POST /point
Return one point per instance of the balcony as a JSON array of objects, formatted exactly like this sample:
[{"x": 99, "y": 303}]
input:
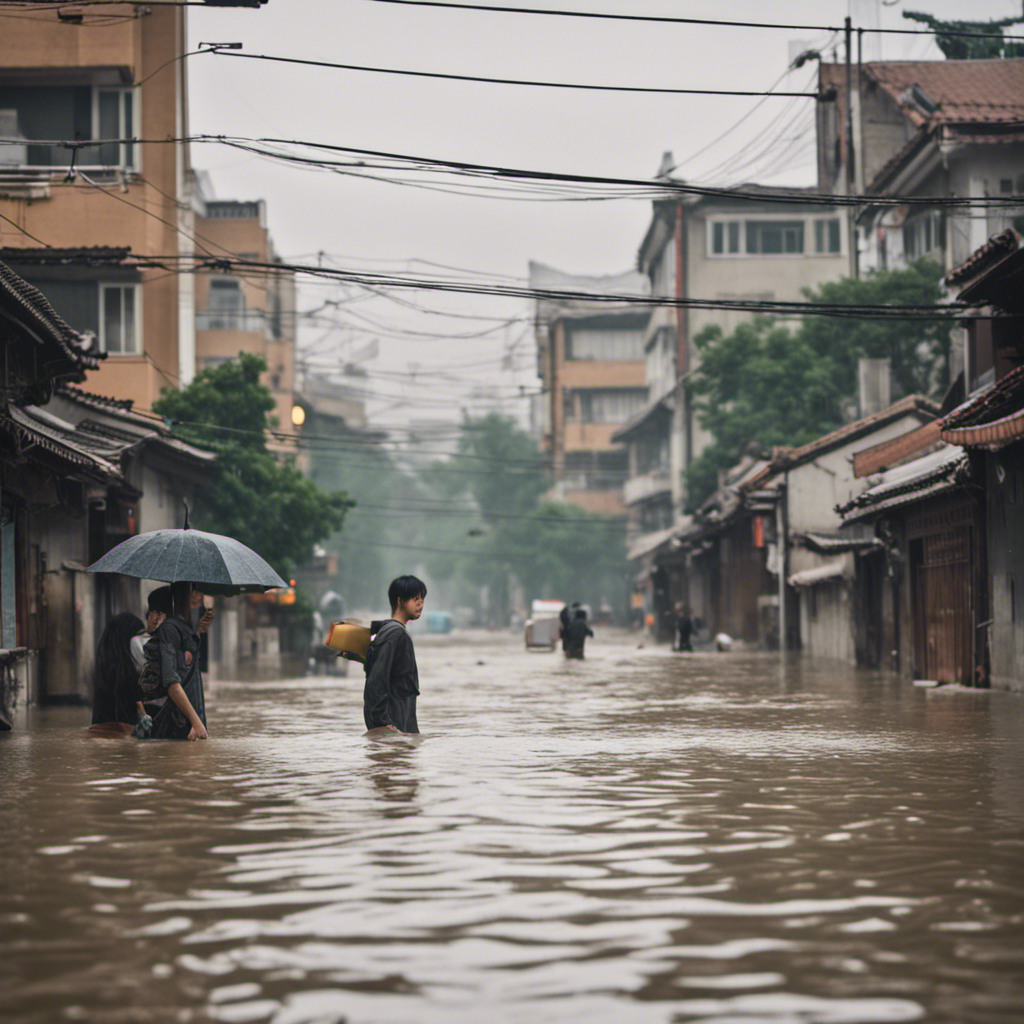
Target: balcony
[
  {"x": 251, "y": 320},
  {"x": 646, "y": 486}
]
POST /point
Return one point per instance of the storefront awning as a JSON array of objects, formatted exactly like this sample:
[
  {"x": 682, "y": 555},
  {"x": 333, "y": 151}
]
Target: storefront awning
[{"x": 827, "y": 573}]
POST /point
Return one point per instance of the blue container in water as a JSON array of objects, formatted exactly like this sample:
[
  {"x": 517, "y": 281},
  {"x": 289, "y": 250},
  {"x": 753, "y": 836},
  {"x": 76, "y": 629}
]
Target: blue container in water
[{"x": 439, "y": 622}]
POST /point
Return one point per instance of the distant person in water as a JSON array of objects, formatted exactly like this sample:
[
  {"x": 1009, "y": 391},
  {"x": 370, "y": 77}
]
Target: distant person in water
[
  {"x": 574, "y": 636},
  {"x": 392, "y": 681},
  {"x": 683, "y": 629}
]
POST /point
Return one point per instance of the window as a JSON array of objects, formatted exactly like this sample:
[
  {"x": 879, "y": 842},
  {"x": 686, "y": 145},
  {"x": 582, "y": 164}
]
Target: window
[
  {"x": 775, "y": 237},
  {"x": 1006, "y": 186},
  {"x": 921, "y": 235},
  {"x": 827, "y": 236},
  {"x": 227, "y": 305},
  {"x": 611, "y": 405},
  {"x": 119, "y": 319},
  {"x": 725, "y": 237},
  {"x": 606, "y": 343},
  {"x": 113, "y": 118},
  {"x": 75, "y": 112}
]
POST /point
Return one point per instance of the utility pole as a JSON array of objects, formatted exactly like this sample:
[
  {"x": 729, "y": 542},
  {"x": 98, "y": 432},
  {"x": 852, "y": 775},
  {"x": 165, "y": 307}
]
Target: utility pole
[{"x": 851, "y": 213}]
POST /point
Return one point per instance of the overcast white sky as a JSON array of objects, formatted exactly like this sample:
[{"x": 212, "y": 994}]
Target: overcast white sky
[{"x": 367, "y": 224}]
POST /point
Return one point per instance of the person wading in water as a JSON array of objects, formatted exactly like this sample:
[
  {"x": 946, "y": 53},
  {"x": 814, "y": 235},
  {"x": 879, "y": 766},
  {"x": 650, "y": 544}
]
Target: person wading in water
[{"x": 392, "y": 681}]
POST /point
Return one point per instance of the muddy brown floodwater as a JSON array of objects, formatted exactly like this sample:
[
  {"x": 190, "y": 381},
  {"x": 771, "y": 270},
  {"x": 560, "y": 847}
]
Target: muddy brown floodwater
[{"x": 641, "y": 837}]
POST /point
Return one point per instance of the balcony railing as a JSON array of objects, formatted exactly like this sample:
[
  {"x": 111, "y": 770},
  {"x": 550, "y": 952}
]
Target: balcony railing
[
  {"x": 254, "y": 320},
  {"x": 647, "y": 485}
]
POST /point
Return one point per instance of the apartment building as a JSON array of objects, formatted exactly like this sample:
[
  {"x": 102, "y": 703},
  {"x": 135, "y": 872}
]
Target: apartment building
[
  {"x": 246, "y": 309},
  {"x": 949, "y": 128},
  {"x": 78, "y": 88},
  {"x": 109, "y": 76},
  {"x": 591, "y": 365},
  {"x": 753, "y": 243}
]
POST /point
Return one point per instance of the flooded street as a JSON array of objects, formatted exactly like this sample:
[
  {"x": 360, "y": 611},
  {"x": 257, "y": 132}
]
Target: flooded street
[{"x": 641, "y": 837}]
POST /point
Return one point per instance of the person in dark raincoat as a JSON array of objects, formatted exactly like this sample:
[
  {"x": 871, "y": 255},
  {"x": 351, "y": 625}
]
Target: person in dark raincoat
[
  {"x": 174, "y": 650},
  {"x": 574, "y": 636},
  {"x": 392, "y": 680},
  {"x": 115, "y": 683},
  {"x": 683, "y": 627}
]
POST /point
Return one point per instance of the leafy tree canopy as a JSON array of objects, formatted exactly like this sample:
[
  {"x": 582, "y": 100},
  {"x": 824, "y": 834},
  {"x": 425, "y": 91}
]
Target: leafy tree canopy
[
  {"x": 267, "y": 505},
  {"x": 551, "y": 548},
  {"x": 767, "y": 384},
  {"x": 961, "y": 47}
]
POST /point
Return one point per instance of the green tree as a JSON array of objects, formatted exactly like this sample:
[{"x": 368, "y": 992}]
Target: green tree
[
  {"x": 767, "y": 384},
  {"x": 268, "y": 505},
  {"x": 552, "y": 549},
  {"x": 956, "y": 46}
]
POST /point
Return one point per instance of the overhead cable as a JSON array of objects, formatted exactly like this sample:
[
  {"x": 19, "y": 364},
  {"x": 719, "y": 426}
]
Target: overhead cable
[
  {"x": 659, "y": 187},
  {"x": 505, "y": 81},
  {"x": 675, "y": 20}
]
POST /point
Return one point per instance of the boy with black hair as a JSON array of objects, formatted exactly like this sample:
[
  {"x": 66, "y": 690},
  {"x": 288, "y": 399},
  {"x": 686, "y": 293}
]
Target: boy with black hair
[{"x": 392, "y": 681}]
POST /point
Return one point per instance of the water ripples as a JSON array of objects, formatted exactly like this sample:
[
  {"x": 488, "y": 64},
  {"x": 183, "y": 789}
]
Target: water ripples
[{"x": 636, "y": 837}]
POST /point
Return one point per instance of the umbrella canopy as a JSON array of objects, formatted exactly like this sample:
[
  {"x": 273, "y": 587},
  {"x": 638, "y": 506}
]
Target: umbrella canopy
[{"x": 221, "y": 565}]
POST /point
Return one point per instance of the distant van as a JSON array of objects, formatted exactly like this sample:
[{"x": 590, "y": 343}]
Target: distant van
[{"x": 543, "y": 627}]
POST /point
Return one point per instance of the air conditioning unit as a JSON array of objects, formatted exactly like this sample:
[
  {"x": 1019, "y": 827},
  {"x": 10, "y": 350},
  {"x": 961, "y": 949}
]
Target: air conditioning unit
[{"x": 12, "y": 154}]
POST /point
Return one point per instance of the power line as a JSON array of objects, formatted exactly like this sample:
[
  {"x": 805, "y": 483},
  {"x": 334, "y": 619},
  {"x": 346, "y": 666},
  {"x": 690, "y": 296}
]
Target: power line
[
  {"x": 661, "y": 187},
  {"x": 306, "y": 62},
  {"x": 664, "y": 187},
  {"x": 775, "y": 306},
  {"x": 672, "y": 20}
]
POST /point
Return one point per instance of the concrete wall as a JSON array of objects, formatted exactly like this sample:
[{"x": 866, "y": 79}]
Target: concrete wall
[
  {"x": 1005, "y": 527},
  {"x": 815, "y": 488}
]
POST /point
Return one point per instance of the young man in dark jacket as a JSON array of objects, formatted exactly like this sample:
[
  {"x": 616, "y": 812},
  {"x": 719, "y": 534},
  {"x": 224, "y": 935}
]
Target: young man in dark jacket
[{"x": 392, "y": 682}]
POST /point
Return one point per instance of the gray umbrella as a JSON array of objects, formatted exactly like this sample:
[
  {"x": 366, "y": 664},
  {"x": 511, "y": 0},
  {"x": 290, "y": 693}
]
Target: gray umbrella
[{"x": 220, "y": 564}]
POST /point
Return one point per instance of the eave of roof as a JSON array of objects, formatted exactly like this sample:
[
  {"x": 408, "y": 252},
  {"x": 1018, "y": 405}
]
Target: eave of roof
[
  {"x": 827, "y": 573},
  {"x": 145, "y": 428},
  {"x": 55, "y": 256},
  {"x": 987, "y": 256},
  {"x": 643, "y": 418},
  {"x": 994, "y": 403},
  {"x": 27, "y": 306},
  {"x": 46, "y": 434},
  {"x": 907, "y": 484},
  {"x": 790, "y": 458}
]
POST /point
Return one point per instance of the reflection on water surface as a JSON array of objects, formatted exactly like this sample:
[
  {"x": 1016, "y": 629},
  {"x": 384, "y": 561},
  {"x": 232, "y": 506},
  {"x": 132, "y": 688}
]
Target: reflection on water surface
[{"x": 639, "y": 837}]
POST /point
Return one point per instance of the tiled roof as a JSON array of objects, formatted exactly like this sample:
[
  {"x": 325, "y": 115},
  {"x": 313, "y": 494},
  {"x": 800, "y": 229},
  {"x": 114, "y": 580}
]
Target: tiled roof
[
  {"x": 51, "y": 255},
  {"x": 28, "y": 306},
  {"x": 966, "y": 91},
  {"x": 790, "y": 457},
  {"x": 904, "y": 485},
  {"x": 998, "y": 407},
  {"x": 988, "y": 255},
  {"x": 33, "y": 426}
]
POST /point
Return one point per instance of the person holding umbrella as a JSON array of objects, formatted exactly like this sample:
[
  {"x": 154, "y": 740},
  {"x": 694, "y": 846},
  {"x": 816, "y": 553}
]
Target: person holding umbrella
[
  {"x": 173, "y": 657},
  {"x": 187, "y": 559}
]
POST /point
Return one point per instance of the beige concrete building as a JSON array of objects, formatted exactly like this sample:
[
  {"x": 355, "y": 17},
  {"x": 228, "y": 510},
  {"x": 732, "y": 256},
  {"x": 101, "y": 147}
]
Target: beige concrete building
[
  {"x": 109, "y": 75},
  {"x": 246, "y": 310},
  {"x": 591, "y": 364}
]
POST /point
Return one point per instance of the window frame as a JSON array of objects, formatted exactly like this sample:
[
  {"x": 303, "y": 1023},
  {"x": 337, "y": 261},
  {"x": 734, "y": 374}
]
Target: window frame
[
  {"x": 823, "y": 228},
  {"x": 733, "y": 230},
  {"x": 104, "y": 287},
  {"x": 124, "y": 130}
]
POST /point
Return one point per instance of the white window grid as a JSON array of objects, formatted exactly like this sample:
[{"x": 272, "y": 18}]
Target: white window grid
[
  {"x": 730, "y": 234},
  {"x": 122, "y": 344}
]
